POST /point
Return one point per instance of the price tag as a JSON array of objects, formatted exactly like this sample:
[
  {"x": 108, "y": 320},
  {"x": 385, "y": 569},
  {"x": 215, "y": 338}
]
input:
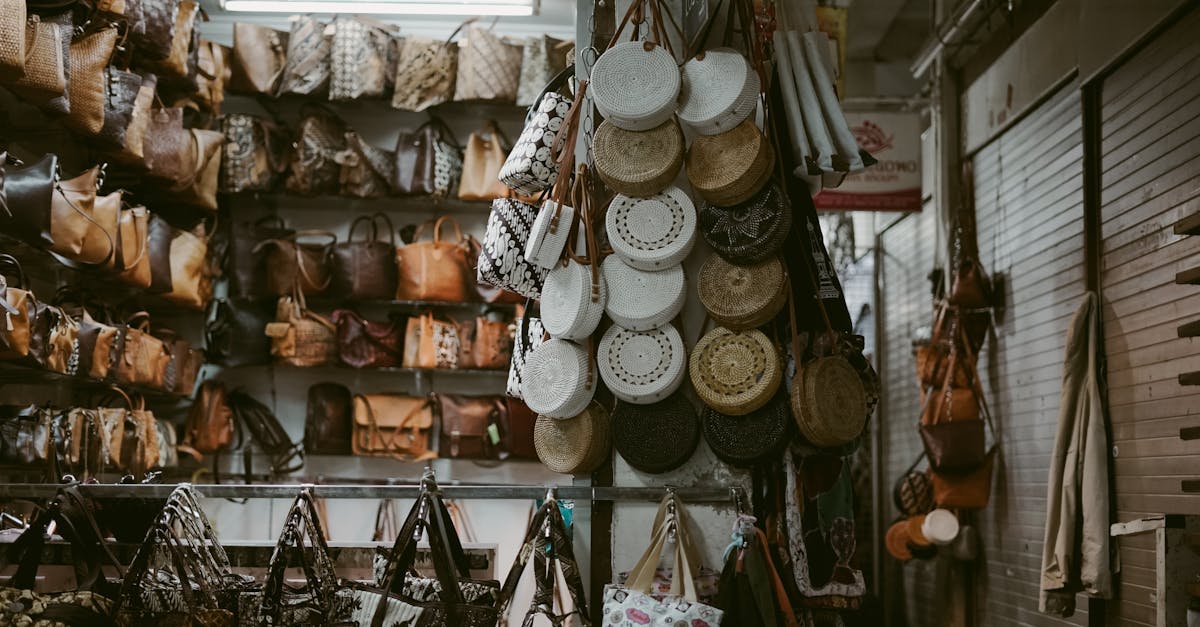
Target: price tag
[{"x": 493, "y": 434}]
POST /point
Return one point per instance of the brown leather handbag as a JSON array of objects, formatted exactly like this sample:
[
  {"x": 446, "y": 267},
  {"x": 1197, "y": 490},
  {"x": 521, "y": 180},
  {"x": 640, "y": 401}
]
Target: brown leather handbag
[
  {"x": 25, "y": 436},
  {"x": 329, "y": 421},
  {"x": 88, "y": 89},
  {"x": 99, "y": 341},
  {"x": 468, "y": 425},
  {"x": 366, "y": 269},
  {"x": 144, "y": 358},
  {"x": 368, "y": 344},
  {"x": 184, "y": 367},
  {"x": 259, "y": 54},
  {"x": 491, "y": 343},
  {"x": 518, "y": 438},
  {"x": 300, "y": 337},
  {"x": 434, "y": 270},
  {"x": 47, "y": 61},
  {"x": 392, "y": 425},
  {"x": 212, "y": 73},
  {"x": 430, "y": 343},
  {"x": 209, "y": 428},
  {"x": 58, "y": 337},
  {"x": 155, "y": 32},
  {"x": 971, "y": 490},
  {"x": 484, "y": 156},
  {"x": 100, "y": 241},
  {"x": 160, "y": 236},
  {"x": 365, "y": 170},
  {"x": 71, "y": 210},
  {"x": 20, "y": 310},
  {"x": 198, "y": 188},
  {"x": 131, "y": 259},
  {"x": 319, "y": 138},
  {"x": 293, "y": 263},
  {"x": 246, "y": 265},
  {"x": 191, "y": 281},
  {"x": 167, "y": 147},
  {"x": 416, "y": 158},
  {"x": 132, "y": 146},
  {"x": 180, "y": 63}
]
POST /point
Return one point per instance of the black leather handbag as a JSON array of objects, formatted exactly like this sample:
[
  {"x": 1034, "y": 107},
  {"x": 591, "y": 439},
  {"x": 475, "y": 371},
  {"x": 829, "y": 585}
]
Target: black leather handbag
[
  {"x": 236, "y": 335},
  {"x": 25, "y": 193},
  {"x": 329, "y": 421},
  {"x": 244, "y": 267}
]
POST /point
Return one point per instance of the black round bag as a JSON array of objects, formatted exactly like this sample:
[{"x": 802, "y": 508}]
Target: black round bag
[
  {"x": 658, "y": 437},
  {"x": 759, "y": 436},
  {"x": 747, "y": 233}
]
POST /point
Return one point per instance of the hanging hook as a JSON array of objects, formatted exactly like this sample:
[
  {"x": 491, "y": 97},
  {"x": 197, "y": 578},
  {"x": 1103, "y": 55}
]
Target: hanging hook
[{"x": 738, "y": 504}]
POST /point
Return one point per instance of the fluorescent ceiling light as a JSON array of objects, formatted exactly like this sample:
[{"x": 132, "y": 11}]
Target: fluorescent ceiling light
[{"x": 387, "y": 7}]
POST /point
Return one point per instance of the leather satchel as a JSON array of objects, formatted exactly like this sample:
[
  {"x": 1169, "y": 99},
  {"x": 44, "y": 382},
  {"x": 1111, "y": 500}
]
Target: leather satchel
[
  {"x": 28, "y": 190},
  {"x": 468, "y": 424},
  {"x": 329, "y": 421},
  {"x": 417, "y": 159},
  {"x": 392, "y": 425},
  {"x": 435, "y": 270},
  {"x": 198, "y": 187},
  {"x": 314, "y": 168},
  {"x": 482, "y": 160},
  {"x": 252, "y": 158},
  {"x": 488, "y": 68},
  {"x": 144, "y": 358},
  {"x": 292, "y": 263},
  {"x": 366, "y": 170},
  {"x": 160, "y": 235},
  {"x": 245, "y": 267},
  {"x": 131, "y": 260},
  {"x": 259, "y": 54},
  {"x": 88, "y": 90},
  {"x": 366, "y": 269},
  {"x": 71, "y": 209},
  {"x": 20, "y": 311},
  {"x": 368, "y": 344},
  {"x": 306, "y": 70},
  {"x": 100, "y": 240},
  {"x": 236, "y": 335},
  {"x": 191, "y": 284},
  {"x": 430, "y": 343},
  {"x": 209, "y": 428}
]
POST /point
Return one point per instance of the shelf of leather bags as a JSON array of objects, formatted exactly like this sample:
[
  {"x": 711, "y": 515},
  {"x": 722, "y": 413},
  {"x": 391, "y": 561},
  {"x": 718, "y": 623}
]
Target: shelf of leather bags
[
  {"x": 408, "y": 204},
  {"x": 454, "y": 372},
  {"x": 11, "y": 372},
  {"x": 413, "y": 307}
]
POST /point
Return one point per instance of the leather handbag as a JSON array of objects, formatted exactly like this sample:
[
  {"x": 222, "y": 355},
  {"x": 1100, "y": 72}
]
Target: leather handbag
[
  {"x": 259, "y": 54},
  {"x": 300, "y": 337},
  {"x": 482, "y": 160},
  {"x": 295, "y": 264},
  {"x": 430, "y": 343},
  {"x": 365, "y": 170},
  {"x": 392, "y": 425},
  {"x": 236, "y": 335},
  {"x": 329, "y": 421},
  {"x": 58, "y": 335},
  {"x": 360, "y": 59},
  {"x": 71, "y": 209},
  {"x": 489, "y": 68},
  {"x": 212, "y": 73},
  {"x": 185, "y": 364},
  {"x": 418, "y": 166},
  {"x": 954, "y": 447},
  {"x": 971, "y": 287},
  {"x": 28, "y": 190},
  {"x": 209, "y": 427},
  {"x": 20, "y": 311},
  {"x": 169, "y": 150},
  {"x": 468, "y": 424},
  {"x": 100, "y": 239},
  {"x": 366, "y": 269},
  {"x": 144, "y": 358},
  {"x": 99, "y": 341},
  {"x": 198, "y": 187},
  {"x": 191, "y": 283},
  {"x": 518, "y": 439},
  {"x": 158, "y": 248},
  {"x": 252, "y": 158},
  {"x": 47, "y": 61},
  {"x": 88, "y": 90},
  {"x": 434, "y": 270},
  {"x": 131, "y": 260},
  {"x": 306, "y": 69},
  {"x": 122, "y": 88},
  {"x": 319, "y": 138},
  {"x": 426, "y": 70},
  {"x": 25, "y": 436},
  {"x": 132, "y": 146},
  {"x": 486, "y": 344},
  {"x": 971, "y": 490},
  {"x": 156, "y": 30},
  {"x": 180, "y": 62},
  {"x": 368, "y": 344},
  {"x": 246, "y": 268}
]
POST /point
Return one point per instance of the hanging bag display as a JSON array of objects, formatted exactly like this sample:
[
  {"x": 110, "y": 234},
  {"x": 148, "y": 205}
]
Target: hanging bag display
[
  {"x": 300, "y": 337},
  {"x": 632, "y": 225},
  {"x": 392, "y": 425},
  {"x": 435, "y": 270},
  {"x": 953, "y": 446},
  {"x": 87, "y": 90},
  {"x": 366, "y": 269},
  {"x": 489, "y": 68},
  {"x": 259, "y": 55},
  {"x": 531, "y": 167},
  {"x": 636, "y": 83},
  {"x": 556, "y": 219},
  {"x": 482, "y": 160},
  {"x": 548, "y": 543}
]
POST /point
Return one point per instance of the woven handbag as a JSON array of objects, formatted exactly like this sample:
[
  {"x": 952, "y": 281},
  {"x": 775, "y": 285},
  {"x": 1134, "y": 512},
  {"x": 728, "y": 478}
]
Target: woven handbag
[
  {"x": 574, "y": 445},
  {"x": 735, "y": 372},
  {"x": 530, "y": 168},
  {"x": 638, "y": 163},
  {"x": 46, "y": 62},
  {"x": 502, "y": 261},
  {"x": 742, "y": 297},
  {"x": 829, "y": 401},
  {"x": 913, "y": 492},
  {"x": 12, "y": 43},
  {"x": 720, "y": 91},
  {"x": 658, "y": 437},
  {"x": 636, "y": 85},
  {"x": 528, "y": 335},
  {"x": 88, "y": 89},
  {"x": 727, "y": 169},
  {"x": 652, "y": 232},
  {"x": 642, "y": 367},
  {"x": 757, "y": 437},
  {"x": 749, "y": 232},
  {"x": 300, "y": 337},
  {"x": 306, "y": 69},
  {"x": 639, "y": 300},
  {"x": 573, "y": 299},
  {"x": 489, "y": 68},
  {"x": 542, "y": 58},
  {"x": 559, "y": 379}
]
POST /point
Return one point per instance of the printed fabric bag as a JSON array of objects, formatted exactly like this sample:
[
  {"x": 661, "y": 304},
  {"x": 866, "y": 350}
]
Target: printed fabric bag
[
  {"x": 530, "y": 167},
  {"x": 529, "y": 335},
  {"x": 425, "y": 72},
  {"x": 548, "y": 543},
  {"x": 489, "y": 68},
  {"x": 631, "y": 605}
]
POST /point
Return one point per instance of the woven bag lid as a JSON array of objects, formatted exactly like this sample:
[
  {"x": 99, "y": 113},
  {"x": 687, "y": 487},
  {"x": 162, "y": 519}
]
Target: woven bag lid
[
  {"x": 642, "y": 367},
  {"x": 548, "y": 237},
  {"x": 742, "y": 297},
  {"x": 735, "y": 372},
  {"x": 578, "y": 444},
  {"x": 638, "y": 163},
  {"x": 940, "y": 527},
  {"x": 829, "y": 401},
  {"x": 719, "y": 91},
  {"x": 639, "y": 300},
  {"x": 635, "y": 85},
  {"x": 659, "y": 437},
  {"x": 558, "y": 380},
  {"x": 652, "y": 232},
  {"x": 749, "y": 232},
  {"x": 913, "y": 493},
  {"x": 743, "y": 441},
  {"x": 729, "y": 168},
  {"x": 569, "y": 308},
  {"x": 897, "y": 539}
]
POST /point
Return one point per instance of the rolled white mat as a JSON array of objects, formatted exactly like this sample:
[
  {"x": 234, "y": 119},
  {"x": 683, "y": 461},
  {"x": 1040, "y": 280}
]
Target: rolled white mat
[
  {"x": 816, "y": 50},
  {"x": 814, "y": 120},
  {"x": 791, "y": 105}
]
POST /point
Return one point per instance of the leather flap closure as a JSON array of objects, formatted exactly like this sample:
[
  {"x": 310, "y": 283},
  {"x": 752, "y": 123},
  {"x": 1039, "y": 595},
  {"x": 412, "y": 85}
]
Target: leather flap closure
[
  {"x": 278, "y": 329},
  {"x": 393, "y": 411}
]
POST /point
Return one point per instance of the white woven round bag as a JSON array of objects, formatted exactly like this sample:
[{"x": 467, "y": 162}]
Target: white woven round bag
[
  {"x": 635, "y": 85},
  {"x": 719, "y": 91},
  {"x": 558, "y": 380},
  {"x": 570, "y": 309},
  {"x": 642, "y": 367},
  {"x": 652, "y": 232},
  {"x": 641, "y": 300},
  {"x": 548, "y": 237}
]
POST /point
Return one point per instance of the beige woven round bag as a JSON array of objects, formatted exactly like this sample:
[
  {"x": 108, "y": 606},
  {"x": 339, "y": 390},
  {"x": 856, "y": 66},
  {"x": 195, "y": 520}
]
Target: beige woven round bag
[
  {"x": 728, "y": 168},
  {"x": 575, "y": 445},
  {"x": 735, "y": 372},
  {"x": 742, "y": 297},
  {"x": 829, "y": 401},
  {"x": 638, "y": 163}
]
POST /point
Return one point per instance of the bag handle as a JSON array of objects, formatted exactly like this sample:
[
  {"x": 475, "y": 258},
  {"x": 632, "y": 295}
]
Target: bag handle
[
  {"x": 556, "y": 83},
  {"x": 671, "y": 517},
  {"x": 437, "y": 229}
]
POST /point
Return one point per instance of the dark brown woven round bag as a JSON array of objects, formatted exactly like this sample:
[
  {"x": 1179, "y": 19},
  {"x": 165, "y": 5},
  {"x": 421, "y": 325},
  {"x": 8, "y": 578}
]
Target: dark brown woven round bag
[
  {"x": 749, "y": 232},
  {"x": 659, "y": 437},
  {"x": 757, "y": 437},
  {"x": 913, "y": 492}
]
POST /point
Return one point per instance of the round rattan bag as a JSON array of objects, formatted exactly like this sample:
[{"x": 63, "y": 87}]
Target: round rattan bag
[
  {"x": 659, "y": 437},
  {"x": 913, "y": 493},
  {"x": 575, "y": 445},
  {"x": 829, "y": 401},
  {"x": 638, "y": 163},
  {"x": 749, "y": 232},
  {"x": 652, "y": 232},
  {"x": 559, "y": 379},
  {"x": 757, "y": 437},
  {"x": 735, "y": 372},
  {"x": 728, "y": 168},
  {"x": 573, "y": 301},
  {"x": 719, "y": 91},
  {"x": 642, "y": 367},
  {"x": 635, "y": 85},
  {"x": 742, "y": 297},
  {"x": 639, "y": 300}
]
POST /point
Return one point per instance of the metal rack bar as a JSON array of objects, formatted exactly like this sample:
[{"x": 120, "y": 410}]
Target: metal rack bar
[{"x": 333, "y": 491}]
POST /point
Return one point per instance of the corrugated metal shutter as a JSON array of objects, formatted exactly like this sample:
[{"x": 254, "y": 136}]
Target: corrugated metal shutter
[{"x": 1150, "y": 147}]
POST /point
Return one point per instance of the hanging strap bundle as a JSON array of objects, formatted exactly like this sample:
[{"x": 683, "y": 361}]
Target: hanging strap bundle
[{"x": 548, "y": 542}]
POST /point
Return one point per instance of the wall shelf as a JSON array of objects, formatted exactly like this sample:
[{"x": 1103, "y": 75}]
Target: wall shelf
[
  {"x": 19, "y": 373},
  {"x": 408, "y": 204}
]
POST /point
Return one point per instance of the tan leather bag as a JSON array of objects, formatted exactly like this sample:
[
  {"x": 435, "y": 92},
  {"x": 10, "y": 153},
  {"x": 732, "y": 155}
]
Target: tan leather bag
[
  {"x": 61, "y": 333},
  {"x": 300, "y": 337},
  {"x": 88, "y": 87},
  {"x": 490, "y": 344},
  {"x": 191, "y": 286},
  {"x": 482, "y": 160},
  {"x": 99, "y": 245},
  {"x": 391, "y": 425},
  {"x": 209, "y": 427},
  {"x": 435, "y": 270},
  {"x": 132, "y": 258},
  {"x": 431, "y": 343},
  {"x": 144, "y": 358},
  {"x": 259, "y": 54},
  {"x": 198, "y": 188},
  {"x": 139, "y": 120},
  {"x": 71, "y": 209}
]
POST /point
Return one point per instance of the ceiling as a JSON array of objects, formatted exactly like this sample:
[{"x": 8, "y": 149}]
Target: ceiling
[{"x": 882, "y": 38}]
